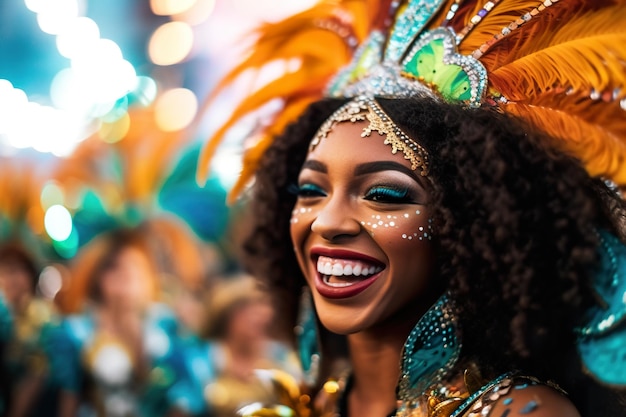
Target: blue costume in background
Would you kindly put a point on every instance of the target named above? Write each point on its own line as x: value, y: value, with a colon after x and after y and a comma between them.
x: 100, y: 369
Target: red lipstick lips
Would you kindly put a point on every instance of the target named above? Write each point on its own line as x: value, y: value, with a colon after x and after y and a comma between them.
x: 350, y: 289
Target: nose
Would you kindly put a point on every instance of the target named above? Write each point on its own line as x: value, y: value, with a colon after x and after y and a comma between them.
x: 335, y: 220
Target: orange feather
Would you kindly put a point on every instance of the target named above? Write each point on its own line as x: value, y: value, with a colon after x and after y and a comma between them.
x: 593, y: 131
x: 253, y: 155
x: 318, y: 39
x: 501, y: 15
x: 588, y: 53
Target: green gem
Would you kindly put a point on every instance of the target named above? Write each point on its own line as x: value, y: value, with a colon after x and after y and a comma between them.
x: 450, y: 80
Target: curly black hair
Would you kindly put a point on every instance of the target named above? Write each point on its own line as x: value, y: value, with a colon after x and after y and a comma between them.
x: 515, y: 221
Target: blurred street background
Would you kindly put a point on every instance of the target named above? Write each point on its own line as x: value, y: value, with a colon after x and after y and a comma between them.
x: 121, y: 292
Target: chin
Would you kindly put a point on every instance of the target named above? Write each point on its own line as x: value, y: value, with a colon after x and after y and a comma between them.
x: 343, y: 322
x: 342, y: 329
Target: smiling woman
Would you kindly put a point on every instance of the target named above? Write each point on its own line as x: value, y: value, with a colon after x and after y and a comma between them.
x: 467, y: 249
x: 448, y: 206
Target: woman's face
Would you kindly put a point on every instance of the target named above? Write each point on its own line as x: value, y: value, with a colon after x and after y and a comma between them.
x: 129, y: 282
x: 15, y: 283
x: 250, y: 321
x: 361, y: 232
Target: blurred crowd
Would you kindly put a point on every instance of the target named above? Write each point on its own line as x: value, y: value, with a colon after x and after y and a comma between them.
x: 124, y: 338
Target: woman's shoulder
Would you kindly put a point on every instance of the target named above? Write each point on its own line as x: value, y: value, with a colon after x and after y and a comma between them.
x: 520, y: 396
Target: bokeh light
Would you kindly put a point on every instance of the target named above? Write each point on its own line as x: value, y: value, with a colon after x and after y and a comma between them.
x: 58, y: 222
x: 271, y: 10
x: 170, y: 43
x: 175, y: 109
x: 119, y: 110
x: 226, y: 166
x: 145, y: 91
x: 56, y: 15
x: 51, y: 194
x: 77, y: 37
x: 36, y: 6
x: 44, y: 128
x: 116, y: 130
x: 198, y: 13
x: 13, y: 102
x: 69, y: 247
x: 50, y: 282
x: 98, y: 78
x: 94, y: 86
x: 170, y: 7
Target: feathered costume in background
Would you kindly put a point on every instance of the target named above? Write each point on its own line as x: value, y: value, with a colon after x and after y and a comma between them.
x: 560, y: 65
x: 138, y: 183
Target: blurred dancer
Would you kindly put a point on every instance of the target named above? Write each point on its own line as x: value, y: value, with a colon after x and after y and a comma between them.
x: 102, y: 356
x: 25, y: 320
x: 224, y: 372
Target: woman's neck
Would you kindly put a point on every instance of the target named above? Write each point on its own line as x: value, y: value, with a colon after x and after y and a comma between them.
x: 375, y: 358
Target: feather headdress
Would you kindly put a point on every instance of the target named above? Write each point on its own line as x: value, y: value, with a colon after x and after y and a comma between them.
x: 560, y: 65
x: 138, y: 184
x: 337, y: 26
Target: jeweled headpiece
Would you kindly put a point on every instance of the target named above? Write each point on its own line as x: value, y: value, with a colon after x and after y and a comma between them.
x: 366, y: 109
x: 560, y: 65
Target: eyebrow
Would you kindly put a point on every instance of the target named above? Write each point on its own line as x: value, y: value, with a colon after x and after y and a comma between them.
x: 315, y: 166
x: 377, y: 166
x: 365, y: 168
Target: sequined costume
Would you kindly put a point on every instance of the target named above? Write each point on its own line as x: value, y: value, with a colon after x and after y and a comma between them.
x: 177, y: 380
x: 24, y: 359
x: 435, y: 381
x: 100, y: 369
x: 194, y: 378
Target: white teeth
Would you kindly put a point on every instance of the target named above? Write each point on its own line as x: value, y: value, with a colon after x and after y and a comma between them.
x: 329, y: 267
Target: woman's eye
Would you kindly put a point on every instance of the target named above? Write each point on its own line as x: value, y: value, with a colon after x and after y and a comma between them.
x: 310, y: 190
x: 388, y: 195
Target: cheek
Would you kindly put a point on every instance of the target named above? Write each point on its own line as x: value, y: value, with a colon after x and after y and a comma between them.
x: 299, y: 228
x: 300, y: 224
x: 413, y: 225
x: 298, y: 213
